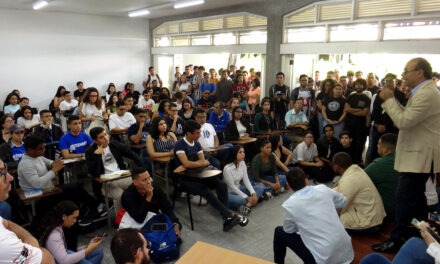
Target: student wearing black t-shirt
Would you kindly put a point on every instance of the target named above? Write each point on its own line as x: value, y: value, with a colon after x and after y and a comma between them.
x: 189, y: 156
x: 279, y: 95
x: 79, y: 92
x: 333, y: 110
x: 175, y: 122
x: 358, y: 108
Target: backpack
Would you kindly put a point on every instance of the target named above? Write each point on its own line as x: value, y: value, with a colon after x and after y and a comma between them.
x: 149, y: 79
x: 164, y: 245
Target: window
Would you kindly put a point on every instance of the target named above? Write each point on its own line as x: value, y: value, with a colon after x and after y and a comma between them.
x: 200, y: 40
x: 225, y: 39
x: 162, y: 42
x: 358, y: 32
x: 308, y: 34
x: 254, y: 37
x: 412, y: 30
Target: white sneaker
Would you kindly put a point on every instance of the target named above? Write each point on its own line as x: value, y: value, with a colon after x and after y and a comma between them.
x: 281, y: 190
x: 196, y: 199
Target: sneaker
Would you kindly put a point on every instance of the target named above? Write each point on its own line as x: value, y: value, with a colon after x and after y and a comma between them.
x: 281, y: 190
x: 243, y: 220
x: 85, y: 221
x: 244, y: 210
x: 196, y: 199
x: 230, y: 222
x: 267, y: 195
x: 102, y: 210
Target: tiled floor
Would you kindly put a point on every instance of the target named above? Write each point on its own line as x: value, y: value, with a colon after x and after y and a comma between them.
x: 255, y: 239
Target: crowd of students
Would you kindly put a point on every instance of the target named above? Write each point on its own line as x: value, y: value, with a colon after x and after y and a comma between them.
x: 202, y: 112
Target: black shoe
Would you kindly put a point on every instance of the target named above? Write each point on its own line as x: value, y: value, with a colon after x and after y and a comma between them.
x: 387, y: 247
x: 230, y: 222
x: 243, y: 220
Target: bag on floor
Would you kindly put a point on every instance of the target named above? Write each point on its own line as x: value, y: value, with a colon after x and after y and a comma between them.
x: 159, y: 231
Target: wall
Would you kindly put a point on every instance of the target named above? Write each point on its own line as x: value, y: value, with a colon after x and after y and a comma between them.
x: 41, y: 50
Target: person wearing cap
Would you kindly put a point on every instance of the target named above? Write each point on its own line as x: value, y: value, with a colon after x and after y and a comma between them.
x: 121, y: 120
x: 12, y: 151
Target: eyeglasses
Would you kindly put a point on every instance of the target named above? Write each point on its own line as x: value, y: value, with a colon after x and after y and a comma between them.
x: 308, y: 137
x: 4, y: 172
x: 406, y: 71
x: 19, y: 132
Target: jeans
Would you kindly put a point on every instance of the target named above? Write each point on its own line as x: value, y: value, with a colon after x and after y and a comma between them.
x: 282, y: 240
x: 410, y: 202
x: 413, y: 251
x: 5, y: 210
x: 281, y: 177
x: 372, y: 145
x: 235, y: 200
x: 202, y: 187
x: 95, y: 257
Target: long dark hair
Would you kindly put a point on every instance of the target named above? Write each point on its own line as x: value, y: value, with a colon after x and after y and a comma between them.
x: 154, y: 129
x: 59, y: 94
x: 54, y: 218
x: 233, y: 155
x: 86, y: 97
x: 162, y: 103
x: 8, y: 97
x: 109, y: 86
x: 274, y: 139
x: 24, y: 108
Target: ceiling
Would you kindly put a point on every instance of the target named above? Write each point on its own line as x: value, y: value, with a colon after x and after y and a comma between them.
x: 158, y: 8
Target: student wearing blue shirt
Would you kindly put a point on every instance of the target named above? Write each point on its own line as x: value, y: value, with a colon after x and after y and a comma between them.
x: 12, y: 151
x: 74, y: 143
x: 206, y: 85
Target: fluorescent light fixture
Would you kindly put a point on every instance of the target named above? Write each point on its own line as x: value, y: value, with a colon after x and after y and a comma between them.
x: 140, y: 12
x: 184, y: 4
x: 39, y: 4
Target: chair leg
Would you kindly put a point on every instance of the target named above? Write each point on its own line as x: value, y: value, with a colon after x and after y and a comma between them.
x: 174, y: 194
x: 190, y: 212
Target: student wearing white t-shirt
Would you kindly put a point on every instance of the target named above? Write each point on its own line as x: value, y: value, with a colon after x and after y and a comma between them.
x: 121, y: 120
x: 106, y: 156
x: 305, y: 155
x: 16, y: 244
x: 145, y: 102
x: 67, y: 107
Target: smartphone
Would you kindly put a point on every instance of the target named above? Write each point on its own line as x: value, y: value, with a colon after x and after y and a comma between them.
x: 158, y: 227
x: 416, y: 223
x: 434, y: 216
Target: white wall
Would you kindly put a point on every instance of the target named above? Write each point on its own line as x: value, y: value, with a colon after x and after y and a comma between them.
x: 41, y: 50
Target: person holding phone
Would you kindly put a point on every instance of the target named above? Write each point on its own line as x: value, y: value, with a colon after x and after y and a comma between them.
x: 64, y: 215
x: 416, y: 250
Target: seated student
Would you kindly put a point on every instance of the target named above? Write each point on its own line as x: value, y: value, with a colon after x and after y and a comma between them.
x: 130, y: 103
x: 162, y: 109
x: 37, y: 172
x: 207, y: 85
x: 105, y: 156
x: 63, y: 216
x: 67, y: 107
x: 174, y: 122
x: 264, y: 169
x: 143, y: 197
x: 311, y: 224
x: 262, y: 121
x: 139, y: 131
x: 189, y: 156
x: 160, y: 142
x: 74, y: 143
x: 283, y: 154
x: 240, y: 196
x: 206, y: 101
x: 48, y: 130
x: 24, y: 101
x: 28, y: 120
x: 145, y: 101
x: 12, y: 151
x: 305, y: 155
x: 237, y: 128
x: 296, y: 122
x: 384, y: 176
x: 129, y: 246
x: 423, y: 250
x: 209, y: 139
x: 17, y: 245
x: 121, y: 120
x: 328, y: 146
x: 363, y: 212
x: 346, y: 141
x: 219, y: 118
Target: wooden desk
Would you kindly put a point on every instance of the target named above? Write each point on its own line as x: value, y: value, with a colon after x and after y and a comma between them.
x: 202, y: 253
x: 46, y: 192
x: 243, y: 141
x: 202, y: 174
x: 164, y: 161
x: 273, y: 132
x: 70, y: 170
x: 105, y: 182
x: 215, y: 149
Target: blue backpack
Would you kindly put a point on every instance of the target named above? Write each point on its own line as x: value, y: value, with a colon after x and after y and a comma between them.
x: 159, y: 231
